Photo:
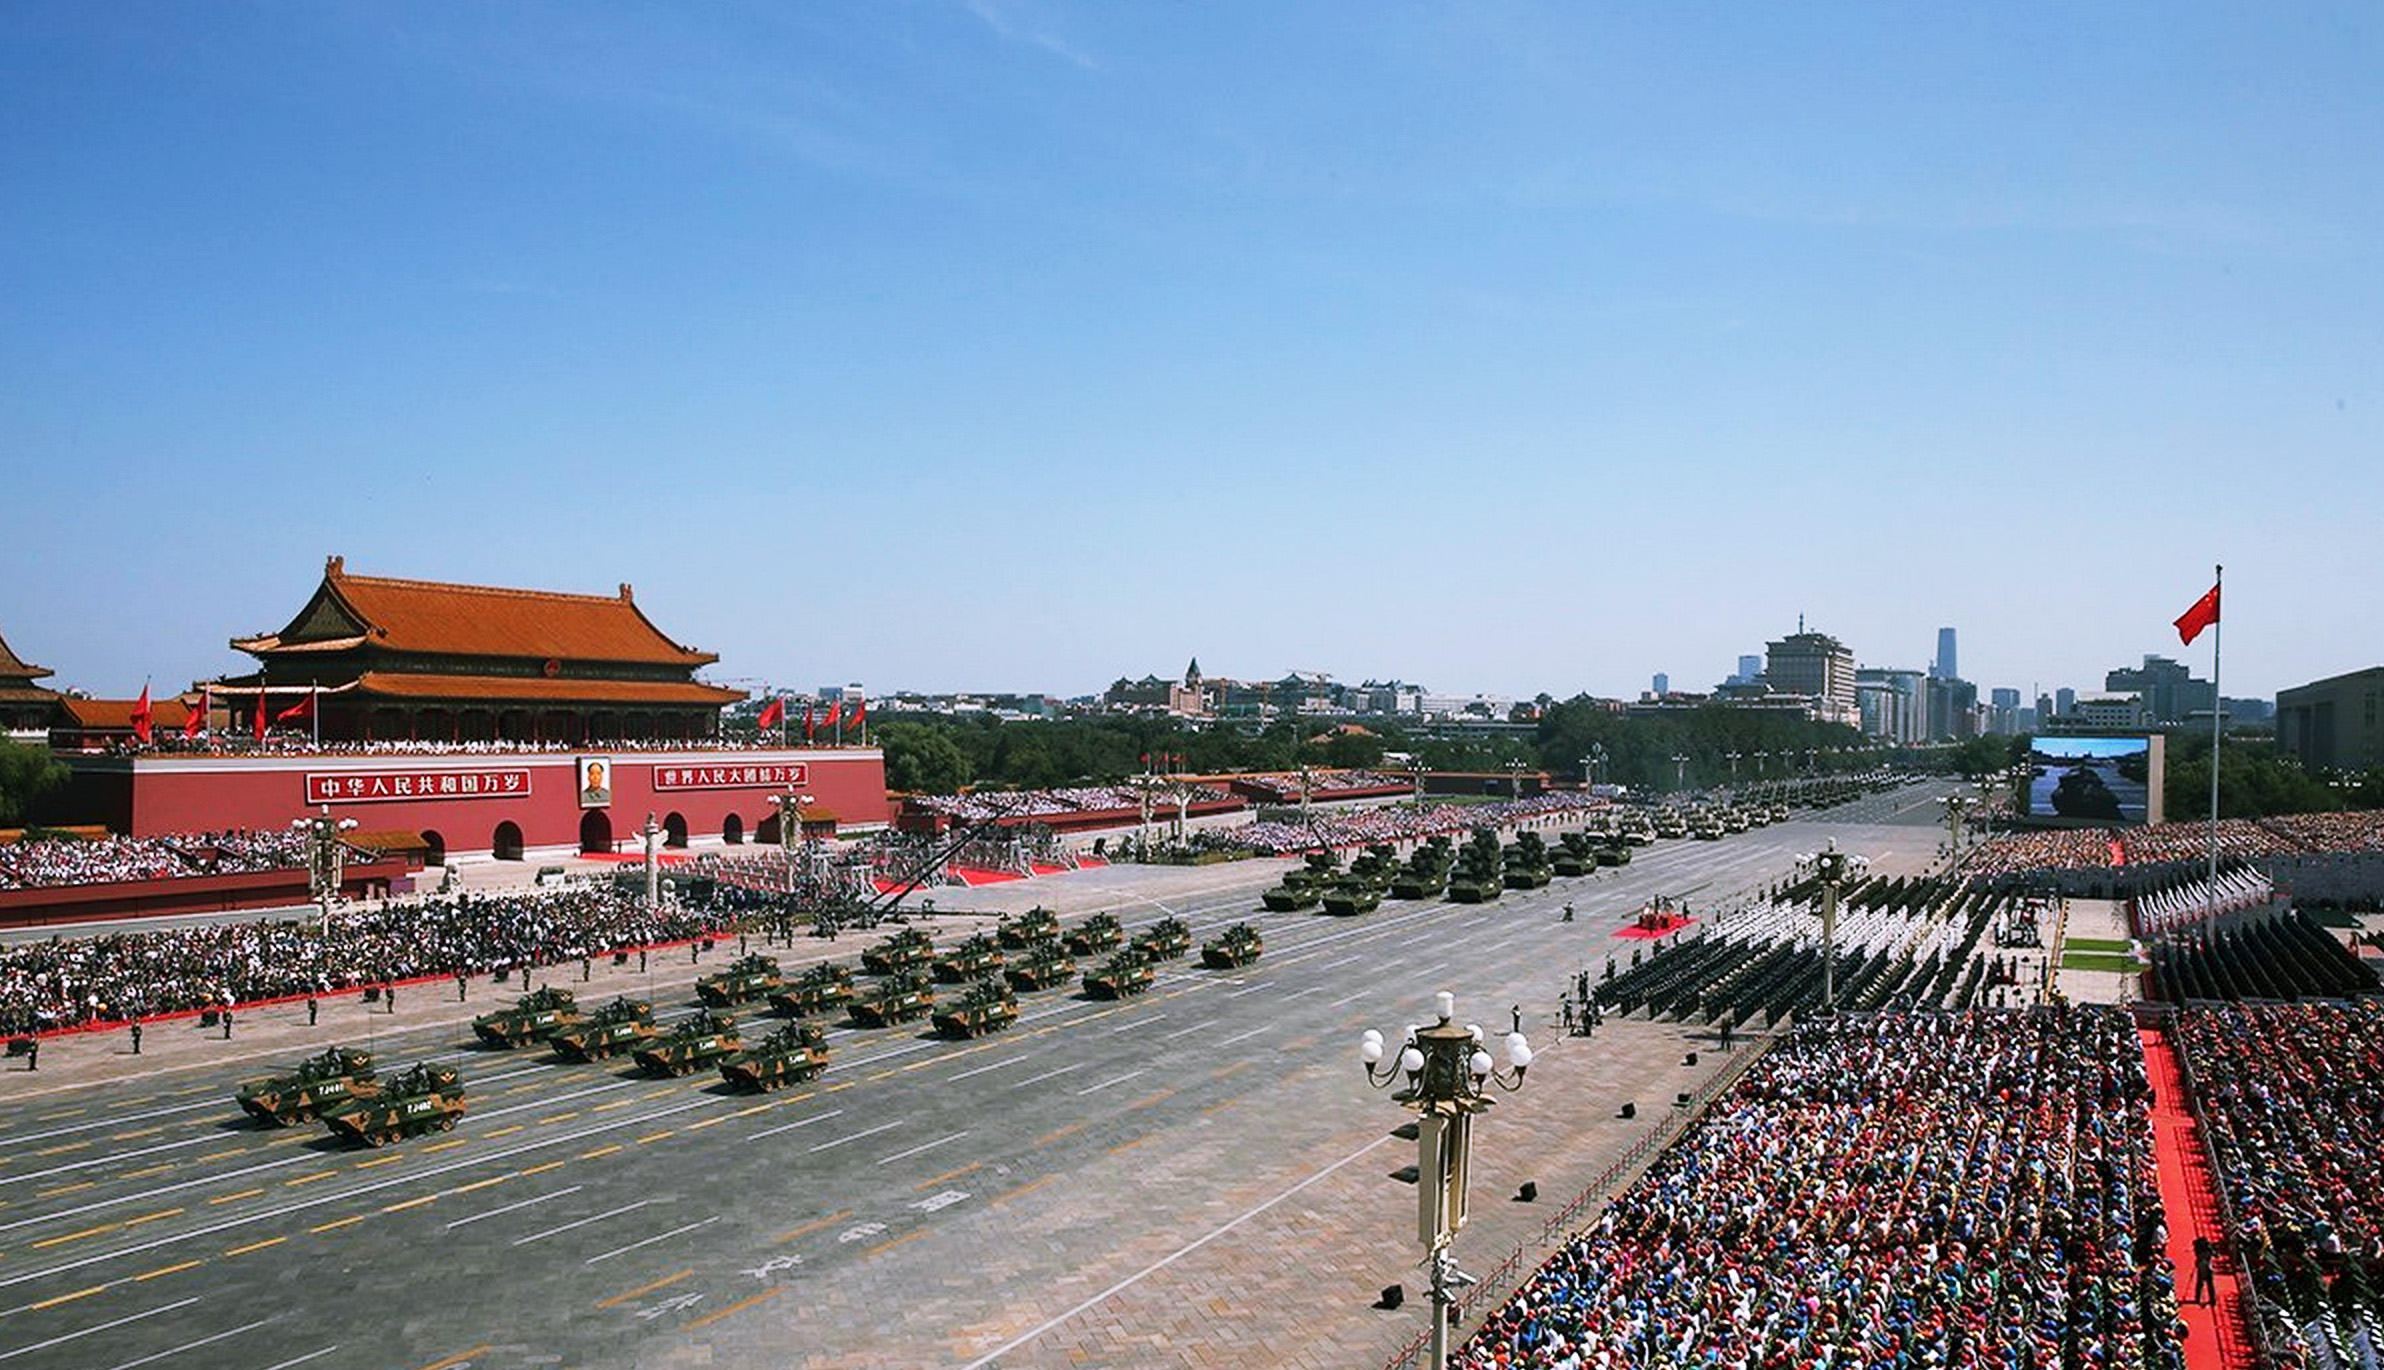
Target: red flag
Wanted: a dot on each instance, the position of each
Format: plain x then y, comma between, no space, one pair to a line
260,715
2204,613
772,713
810,720
860,712
299,712
835,712
141,715
197,722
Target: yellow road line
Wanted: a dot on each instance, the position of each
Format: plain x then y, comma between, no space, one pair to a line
136,1132
151,1217
1155,1098
810,1227
479,1184
1130,1145
657,1136
258,1246
763,1107
600,1151
64,1298
310,1179
167,1270
219,1155
1234,1069
698,1127
234,1198
1049,1137
343,1222
409,1203
1027,1188
883,1247
558,1117
738,1307
380,1160
74,1236
63,1146
949,1175
457,1359
153,1170
644,1289
64,1189
443,1146
505,1131
542,1169
617,1103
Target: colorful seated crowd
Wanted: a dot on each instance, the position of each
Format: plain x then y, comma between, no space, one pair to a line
1931,1190
2293,1095
68,983
53,861
1392,823
2245,838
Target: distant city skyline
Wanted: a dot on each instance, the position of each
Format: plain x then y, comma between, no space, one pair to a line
990,344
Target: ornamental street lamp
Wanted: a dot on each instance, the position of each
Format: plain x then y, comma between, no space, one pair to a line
1680,770
1833,868
1732,757
1957,806
790,830
326,857
1447,1073
1515,779
652,832
1415,772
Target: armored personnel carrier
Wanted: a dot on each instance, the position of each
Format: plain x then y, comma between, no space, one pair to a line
794,1053
821,988
1238,946
1164,940
1288,896
1527,865
426,1098
1352,894
898,998
907,948
319,1085
1095,935
1028,928
1479,876
1576,854
694,1044
986,1006
1126,974
1041,966
1426,874
535,1017
747,977
977,957
623,1025
1615,853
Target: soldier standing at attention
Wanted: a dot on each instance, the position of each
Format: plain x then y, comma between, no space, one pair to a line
136,1039
227,1022
312,1008
1517,1010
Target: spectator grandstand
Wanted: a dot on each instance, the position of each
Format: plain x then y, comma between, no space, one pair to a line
66,860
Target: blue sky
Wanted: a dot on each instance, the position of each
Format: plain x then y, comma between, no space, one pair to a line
1505,347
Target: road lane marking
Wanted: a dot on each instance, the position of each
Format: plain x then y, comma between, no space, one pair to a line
505,1131
1239,1036
1107,1083
881,1127
76,1236
235,1198
443,1146
301,1360
658,1136
479,1184
1049,1137
789,1127
459,1358
1186,1032
581,1222
738,1307
1046,1075
310,1179
69,1188
256,1246
66,1298
598,1153
1253,989
631,1295
1027,1188
459,1222
949,1175
649,1241
927,1146
980,1070
343,1222
1349,998
167,1270
379,1160
810,1227
1148,1100
102,1327
152,1217
1330,965
1140,1023
550,1165
405,1204
885,1246
193,1345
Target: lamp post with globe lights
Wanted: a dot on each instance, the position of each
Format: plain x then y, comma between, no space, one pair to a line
326,857
1833,868
790,830
1445,1073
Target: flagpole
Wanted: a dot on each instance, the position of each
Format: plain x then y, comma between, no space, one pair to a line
2218,628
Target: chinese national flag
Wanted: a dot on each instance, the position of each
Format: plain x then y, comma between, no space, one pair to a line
299,712
196,723
260,715
810,722
835,712
2204,613
772,714
860,712
142,717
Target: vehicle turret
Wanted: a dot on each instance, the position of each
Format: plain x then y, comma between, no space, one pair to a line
794,1053
694,1044
897,998
747,977
319,1085
1125,974
625,1024
534,1017
986,1006
977,956
1238,945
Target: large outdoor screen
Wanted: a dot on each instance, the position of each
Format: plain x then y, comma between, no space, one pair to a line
2095,780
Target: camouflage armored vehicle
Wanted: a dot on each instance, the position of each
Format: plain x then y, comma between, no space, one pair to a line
747,977
1615,853
1238,946
1041,966
1095,935
1576,854
1352,894
986,1006
1426,874
1126,974
907,948
623,1025
896,999
694,1044
426,1098
1526,860
794,1053
1287,897
1479,875
1028,928
821,988
536,1016
977,957
319,1085
1164,940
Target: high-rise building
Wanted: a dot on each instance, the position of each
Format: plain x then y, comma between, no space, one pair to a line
1953,709
1662,683
1750,669
1946,667
2170,692
2065,702
2334,724
2003,710
1893,703
1817,665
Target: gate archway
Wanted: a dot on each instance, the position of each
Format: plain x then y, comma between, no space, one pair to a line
674,830
595,833
434,848
732,830
506,843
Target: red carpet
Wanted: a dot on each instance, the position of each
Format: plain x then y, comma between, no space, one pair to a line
638,858
2215,1336
1672,923
1042,868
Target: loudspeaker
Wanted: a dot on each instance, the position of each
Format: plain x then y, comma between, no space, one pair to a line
1690,1060
1529,1193
1392,1296
1680,1100
1630,1110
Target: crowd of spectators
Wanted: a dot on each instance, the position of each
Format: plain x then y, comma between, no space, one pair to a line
2018,853
44,862
1972,1190
1289,788
2184,903
1070,799
66,983
2293,1099
2182,843
240,742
